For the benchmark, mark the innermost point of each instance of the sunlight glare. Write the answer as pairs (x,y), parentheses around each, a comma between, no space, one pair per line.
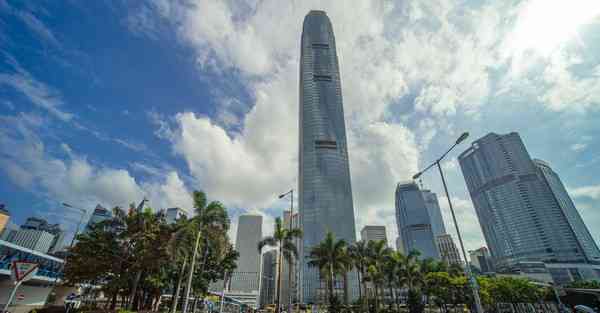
(543,25)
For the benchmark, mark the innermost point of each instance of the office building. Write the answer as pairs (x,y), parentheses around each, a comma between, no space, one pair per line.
(268,278)
(249,233)
(481,260)
(447,249)
(399,245)
(414,223)
(99,215)
(289,282)
(4,217)
(174,214)
(33,239)
(569,212)
(373,233)
(325,192)
(524,210)
(435,213)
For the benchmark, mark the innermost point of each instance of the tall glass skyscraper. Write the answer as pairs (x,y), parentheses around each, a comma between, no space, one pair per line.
(524,210)
(435,213)
(324,176)
(414,222)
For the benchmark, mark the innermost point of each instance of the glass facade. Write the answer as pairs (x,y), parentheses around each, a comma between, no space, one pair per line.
(518,211)
(414,222)
(435,213)
(325,193)
(563,200)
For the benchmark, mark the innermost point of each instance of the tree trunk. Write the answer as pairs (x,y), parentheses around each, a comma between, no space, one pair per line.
(346,299)
(331,283)
(136,281)
(278,299)
(113,301)
(358,276)
(175,297)
(289,310)
(396,301)
(376,297)
(391,296)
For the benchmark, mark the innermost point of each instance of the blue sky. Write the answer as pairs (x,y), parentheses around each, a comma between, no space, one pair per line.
(110,101)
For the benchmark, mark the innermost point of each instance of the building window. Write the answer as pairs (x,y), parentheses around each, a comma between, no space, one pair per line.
(320,46)
(323,78)
(325,144)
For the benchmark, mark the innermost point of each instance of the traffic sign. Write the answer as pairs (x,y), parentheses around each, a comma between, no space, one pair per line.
(23,271)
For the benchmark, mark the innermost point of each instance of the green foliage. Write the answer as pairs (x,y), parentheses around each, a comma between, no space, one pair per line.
(137,253)
(283,238)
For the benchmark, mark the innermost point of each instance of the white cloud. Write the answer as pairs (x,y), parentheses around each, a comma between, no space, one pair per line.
(467,222)
(592,192)
(578,146)
(442,55)
(36,91)
(75,180)
(379,64)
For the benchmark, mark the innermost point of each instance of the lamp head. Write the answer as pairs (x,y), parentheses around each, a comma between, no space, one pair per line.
(67,205)
(417,175)
(281,195)
(462,137)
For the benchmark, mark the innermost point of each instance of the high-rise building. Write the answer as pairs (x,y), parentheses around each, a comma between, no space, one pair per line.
(4,217)
(399,245)
(414,223)
(325,192)
(249,233)
(373,233)
(33,239)
(482,260)
(563,200)
(525,213)
(268,277)
(99,215)
(435,213)
(288,284)
(447,249)
(174,214)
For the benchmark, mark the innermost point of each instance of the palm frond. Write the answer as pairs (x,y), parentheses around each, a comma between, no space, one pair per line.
(267,241)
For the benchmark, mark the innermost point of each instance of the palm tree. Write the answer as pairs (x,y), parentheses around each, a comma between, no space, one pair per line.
(180,246)
(359,254)
(283,238)
(210,220)
(378,253)
(331,258)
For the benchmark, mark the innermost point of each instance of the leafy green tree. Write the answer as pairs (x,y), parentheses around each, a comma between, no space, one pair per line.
(283,238)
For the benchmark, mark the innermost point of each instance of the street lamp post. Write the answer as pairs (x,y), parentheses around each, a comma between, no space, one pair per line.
(292,265)
(469,273)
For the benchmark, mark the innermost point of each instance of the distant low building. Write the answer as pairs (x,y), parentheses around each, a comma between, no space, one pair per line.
(174,214)
(482,260)
(4,217)
(33,239)
(40,224)
(99,215)
(448,251)
(373,233)
(268,278)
